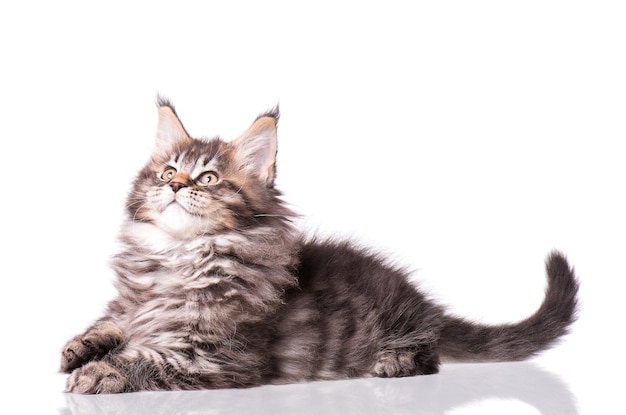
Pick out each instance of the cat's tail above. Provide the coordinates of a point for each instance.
(463, 340)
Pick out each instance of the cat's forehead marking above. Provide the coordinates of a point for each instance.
(204, 164)
(176, 157)
(192, 163)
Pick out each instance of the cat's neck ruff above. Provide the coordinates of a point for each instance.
(263, 245)
(155, 240)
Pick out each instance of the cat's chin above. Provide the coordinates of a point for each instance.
(176, 221)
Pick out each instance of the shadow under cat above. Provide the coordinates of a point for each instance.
(456, 386)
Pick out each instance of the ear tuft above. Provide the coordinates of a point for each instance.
(170, 130)
(163, 101)
(272, 113)
(255, 149)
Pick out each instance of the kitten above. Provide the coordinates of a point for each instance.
(218, 290)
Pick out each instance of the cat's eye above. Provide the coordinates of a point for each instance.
(208, 178)
(168, 174)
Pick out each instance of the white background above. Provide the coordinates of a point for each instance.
(467, 139)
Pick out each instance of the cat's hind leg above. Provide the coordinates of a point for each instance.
(394, 363)
(405, 362)
(95, 343)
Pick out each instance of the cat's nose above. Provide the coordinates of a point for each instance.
(176, 186)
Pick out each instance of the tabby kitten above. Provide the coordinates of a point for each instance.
(218, 290)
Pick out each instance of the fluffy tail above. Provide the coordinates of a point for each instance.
(467, 341)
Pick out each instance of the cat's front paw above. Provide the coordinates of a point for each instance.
(94, 344)
(97, 377)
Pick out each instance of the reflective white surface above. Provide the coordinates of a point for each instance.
(519, 386)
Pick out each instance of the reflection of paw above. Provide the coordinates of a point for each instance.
(395, 363)
(96, 377)
(94, 344)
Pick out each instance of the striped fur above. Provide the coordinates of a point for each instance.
(217, 289)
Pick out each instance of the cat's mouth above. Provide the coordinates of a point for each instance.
(176, 218)
(181, 213)
(175, 204)
(183, 206)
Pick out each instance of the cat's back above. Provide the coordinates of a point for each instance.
(341, 274)
(340, 265)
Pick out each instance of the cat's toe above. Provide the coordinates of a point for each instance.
(94, 344)
(74, 354)
(96, 377)
(395, 363)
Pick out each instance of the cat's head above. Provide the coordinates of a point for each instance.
(198, 186)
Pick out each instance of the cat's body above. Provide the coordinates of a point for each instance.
(217, 289)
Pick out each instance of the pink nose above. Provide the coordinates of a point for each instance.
(176, 186)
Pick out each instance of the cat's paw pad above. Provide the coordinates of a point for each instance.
(395, 363)
(96, 377)
(94, 344)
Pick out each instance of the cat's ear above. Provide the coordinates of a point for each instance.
(255, 150)
(170, 130)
